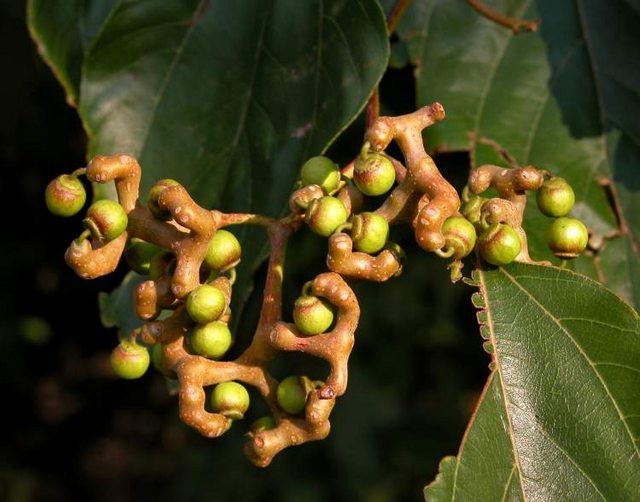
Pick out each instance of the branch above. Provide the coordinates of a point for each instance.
(515, 25)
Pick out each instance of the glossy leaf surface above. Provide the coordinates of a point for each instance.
(551, 99)
(229, 98)
(559, 418)
(63, 31)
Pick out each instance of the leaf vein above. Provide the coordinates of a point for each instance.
(487, 87)
(580, 351)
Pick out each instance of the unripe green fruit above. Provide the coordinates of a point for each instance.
(567, 237)
(65, 195)
(555, 197)
(325, 214)
(312, 315)
(129, 360)
(230, 399)
(292, 393)
(499, 244)
(223, 252)
(154, 194)
(369, 232)
(139, 254)
(265, 423)
(211, 340)
(106, 219)
(374, 174)
(205, 303)
(321, 171)
(460, 235)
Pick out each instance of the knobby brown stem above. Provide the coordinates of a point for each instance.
(511, 185)
(422, 198)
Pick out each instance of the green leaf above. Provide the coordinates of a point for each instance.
(216, 95)
(116, 308)
(559, 418)
(474, 474)
(229, 98)
(63, 30)
(549, 101)
(608, 42)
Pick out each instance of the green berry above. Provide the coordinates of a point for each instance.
(223, 252)
(321, 171)
(293, 392)
(129, 360)
(374, 174)
(265, 423)
(65, 195)
(460, 235)
(567, 237)
(555, 197)
(312, 315)
(499, 244)
(369, 232)
(106, 219)
(139, 254)
(325, 215)
(230, 399)
(211, 340)
(205, 303)
(154, 194)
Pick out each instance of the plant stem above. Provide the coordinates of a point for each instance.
(515, 25)
(399, 8)
(373, 107)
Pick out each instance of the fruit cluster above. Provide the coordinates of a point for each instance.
(189, 259)
(501, 238)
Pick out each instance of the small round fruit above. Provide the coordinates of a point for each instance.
(567, 237)
(206, 303)
(265, 423)
(211, 340)
(223, 252)
(129, 360)
(325, 214)
(369, 232)
(139, 253)
(292, 393)
(321, 171)
(154, 194)
(65, 195)
(374, 174)
(555, 197)
(230, 399)
(106, 219)
(499, 244)
(460, 235)
(312, 315)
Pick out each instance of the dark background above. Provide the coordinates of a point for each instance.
(74, 432)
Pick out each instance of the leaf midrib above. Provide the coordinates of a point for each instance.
(489, 83)
(167, 78)
(490, 324)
